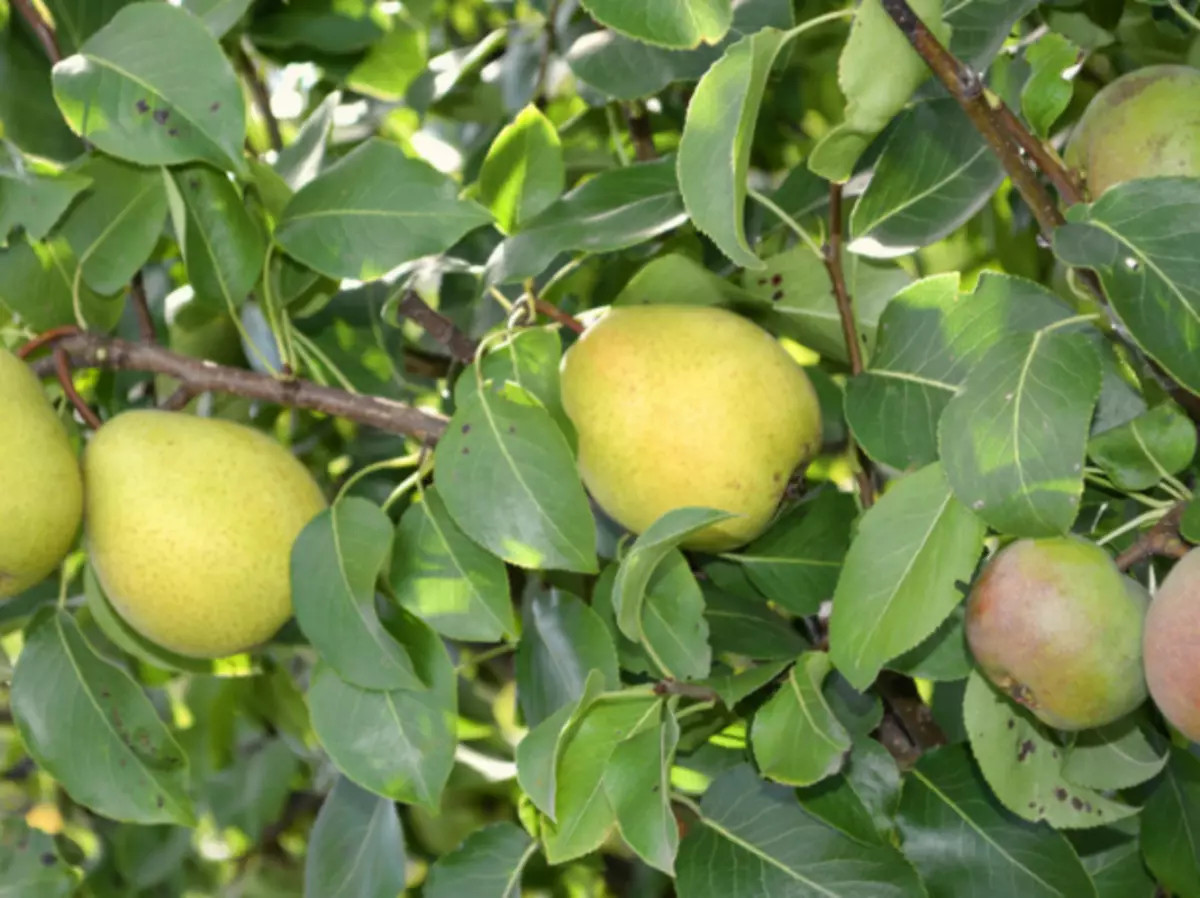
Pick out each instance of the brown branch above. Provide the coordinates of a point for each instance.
(178, 400)
(564, 318)
(88, 350)
(837, 277)
(258, 90)
(62, 368)
(1063, 179)
(1163, 539)
(141, 309)
(966, 87)
(438, 326)
(687, 690)
(640, 131)
(41, 28)
(42, 340)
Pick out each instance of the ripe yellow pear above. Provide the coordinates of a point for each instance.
(41, 489)
(680, 406)
(190, 524)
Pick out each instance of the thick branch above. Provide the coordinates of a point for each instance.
(640, 131)
(966, 87)
(262, 98)
(438, 326)
(566, 319)
(95, 351)
(1064, 181)
(1162, 539)
(40, 27)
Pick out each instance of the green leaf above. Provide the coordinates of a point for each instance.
(31, 120)
(357, 846)
(621, 67)
(1170, 835)
(77, 20)
(1139, 454)
(336, 561)
(584, 816)
(935, 173)
(674, 630)
(755, 840)
(335, 28)
(796, 563)
(648, 551)
(1024, 765)
(743, 627)
(488, 864)
(1114, 862)
(36, 282)
(447, 580)
(1139, 237)
(714, 152)
(523, 172)
(979, 28)
(796, 738)
(731, 688)
(114, 227)
(66, 696)
(373, 210)
(397, 744)
(1047, 93)
(861, 801)
(30, 866)
(668, 23)
(685, 280)
(126, 92)
(1116, 756)
(898, 582)
(251, 793)
(300, 161)
(614, 210)
(222, 245)
(219, 16)
(1013, 441)
(562, 642)
(637, 782)
(509, 480)
(995, 855)
(392, 63)
(36, 202)
(942, 657)
(872, 101)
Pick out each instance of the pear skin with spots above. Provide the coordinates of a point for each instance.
(688, 406)
(1056, 625)
(41, 487)
(1172, 646)
(190, 524)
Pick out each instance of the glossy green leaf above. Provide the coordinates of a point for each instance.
(1013, 441)
(898, 583)
(1023, 764)
(614, 210)
(861, 801)
(222, 245)
(1170, 835)
(373, 210)
(488, 864)
(335, 28)
(336, 561)
(637, 782)
(126, 92)
(446, 579)
(562, 642)
(38, 283)
(113, 228)
(1138, 238)
(509, 480)
(30, 865)
(754, 840)
(796, 738)
(524, 171)
(397, 744)
(669, 23)
(714, 152)
(64, 696)
(357, 846)
(392, 63)
(219, 16)
(796, 563)
(963, 842)
(1047, 93)
(35, 202)
(1116, 756)
(1139, 454)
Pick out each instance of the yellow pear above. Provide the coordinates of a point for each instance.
(190, 524)
(41, 489)
(679, 406)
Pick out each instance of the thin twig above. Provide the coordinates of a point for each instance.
(262, 98)
(88, 350)
(62, 368)
(41, 28)
(141, 308)
(686, 690)
(178, 400)
(966, 87)
(1064, 181)
(640, 131)
(832, 254)
(42, 340)
(1163, 539)
(564, 318)
(438, 326)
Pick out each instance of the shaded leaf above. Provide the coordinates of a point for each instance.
(35, 202)
(37, 283)
(1170, 836)
(670, 23)
(77, 20)
(30, 864)
(1140, 453)
(861, 801)
(637, 782)
(1116, 756)
(751, 629)
(356, 848)
(488, 864)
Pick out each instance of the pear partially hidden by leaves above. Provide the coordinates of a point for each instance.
(1056, 625)
(41, 489)
(1172, 646)
(1145, 124)
(688, 406)
(190, 524)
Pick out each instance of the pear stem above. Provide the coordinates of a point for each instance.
(62, 367)
(1163, 539)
